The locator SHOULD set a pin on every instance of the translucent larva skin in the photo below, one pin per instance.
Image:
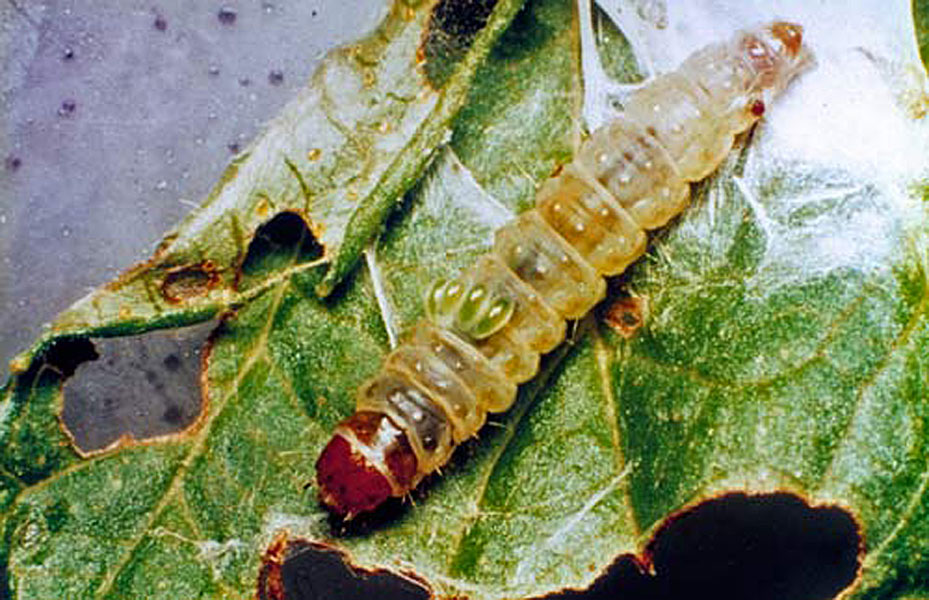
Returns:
(486, 330)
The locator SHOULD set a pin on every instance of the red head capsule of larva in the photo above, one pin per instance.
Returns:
(368, 460)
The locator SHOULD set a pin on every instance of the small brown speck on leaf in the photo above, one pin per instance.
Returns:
(190, 281)
(626, 315)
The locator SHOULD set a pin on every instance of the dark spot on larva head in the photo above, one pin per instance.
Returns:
(160, 23)
(757, 107)
(276, 77)
(68, 54)
(191, 281)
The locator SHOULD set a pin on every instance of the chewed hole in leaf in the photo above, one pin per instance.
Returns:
(299, 570)
(452, 27)
(65, 355)
(282, 242)
(141, 387)
(763, 547)
(741, 547)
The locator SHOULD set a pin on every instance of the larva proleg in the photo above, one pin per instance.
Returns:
(486, 329)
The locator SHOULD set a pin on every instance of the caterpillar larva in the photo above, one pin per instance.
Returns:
(486, 329)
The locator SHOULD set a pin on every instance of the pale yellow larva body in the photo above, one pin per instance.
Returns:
(488, 328)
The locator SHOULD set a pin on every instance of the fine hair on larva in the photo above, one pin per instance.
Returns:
(486, 329)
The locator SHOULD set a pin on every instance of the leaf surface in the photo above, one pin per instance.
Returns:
(785, 345)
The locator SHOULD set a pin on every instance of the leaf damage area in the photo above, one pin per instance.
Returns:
(190, 281)
(733, 547)
(295, 569)
(626, 315)
(453, 26)
(136, 388)
(285, 240)
(740, 547)
(64, 355)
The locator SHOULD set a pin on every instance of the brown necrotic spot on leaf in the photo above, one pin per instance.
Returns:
(626, 315)
(190, 281)
(741, 547)
(453, 25)
(141, 387)
(282, 242)
(300, 570)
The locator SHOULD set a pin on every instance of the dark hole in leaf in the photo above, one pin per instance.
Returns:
(736, 547)
(299, 570)
(282, 242)
(453, 25)
(190, 281)
(141, 386)
(64, 355)
(741, 547)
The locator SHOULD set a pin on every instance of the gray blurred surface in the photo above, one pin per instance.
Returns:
(140, 387)
(118, 116)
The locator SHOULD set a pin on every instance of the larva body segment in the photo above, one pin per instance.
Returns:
(486, 330)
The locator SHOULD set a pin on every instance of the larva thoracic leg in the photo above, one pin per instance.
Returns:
(486, 329)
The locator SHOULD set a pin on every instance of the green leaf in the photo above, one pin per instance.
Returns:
(785, 345)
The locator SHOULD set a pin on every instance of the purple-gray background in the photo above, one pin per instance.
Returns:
(118, 116)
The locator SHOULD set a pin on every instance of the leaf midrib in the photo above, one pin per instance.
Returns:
(199, 442)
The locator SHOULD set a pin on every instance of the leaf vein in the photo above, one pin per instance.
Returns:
(610, 406)
(898, 345)
(197, 448)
